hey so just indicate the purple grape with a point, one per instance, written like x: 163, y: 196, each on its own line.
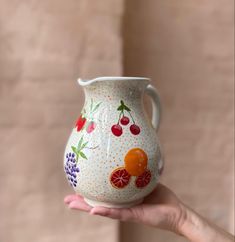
x: 71, y: 169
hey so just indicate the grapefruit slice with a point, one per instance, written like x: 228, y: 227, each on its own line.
x: 144, y: 179
x: 120, y: 178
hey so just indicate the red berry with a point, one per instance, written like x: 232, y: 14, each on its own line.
x: 80, y: 123
x: 91, y: 126
x: 135, y: 129
x: 125, y: 120
x: 117, y: 130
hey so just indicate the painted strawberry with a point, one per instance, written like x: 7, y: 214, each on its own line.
x: 91, y: 126
x: 80, y: 123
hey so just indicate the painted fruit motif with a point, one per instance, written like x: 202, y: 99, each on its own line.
x: 80, y: 123
x: 120, y: 178
x: 71, y: 169
x: 117, y: 129
x: 90, y: 127
x: 135, y: 129
x: 143, y: 180
x: 135, y: 164
x: 124, y: 120
x: 86, y: 119
x: 136, y: 161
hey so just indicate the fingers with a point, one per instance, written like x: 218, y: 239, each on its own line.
x: 68, y: 199
x: 76, y: 201
x: 122, y: 214
x: 80, y: 205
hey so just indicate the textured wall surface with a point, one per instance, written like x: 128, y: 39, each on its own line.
x: 186, y: 47
x: 44, y: 47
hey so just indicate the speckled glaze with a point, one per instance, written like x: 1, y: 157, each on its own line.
x: 93, y: 152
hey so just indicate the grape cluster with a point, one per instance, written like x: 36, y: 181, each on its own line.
x: 71, y: 169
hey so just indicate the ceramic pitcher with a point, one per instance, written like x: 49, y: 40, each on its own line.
x: 113, y: 157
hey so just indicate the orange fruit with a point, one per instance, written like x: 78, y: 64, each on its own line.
x: 120, y: 178
x: 136, y: 161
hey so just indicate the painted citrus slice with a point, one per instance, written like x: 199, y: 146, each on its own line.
x: 143, y: 180
x: 136, y: 161
x: 120, y: 178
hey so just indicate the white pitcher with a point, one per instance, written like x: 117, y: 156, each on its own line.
x: 113, y: 157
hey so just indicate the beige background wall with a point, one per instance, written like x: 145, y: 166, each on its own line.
x: 185, y: 46
x: 44, y: 47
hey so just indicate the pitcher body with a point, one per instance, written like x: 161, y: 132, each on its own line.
x: 113, y: 156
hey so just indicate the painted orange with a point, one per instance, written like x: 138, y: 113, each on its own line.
x: 136, y: 161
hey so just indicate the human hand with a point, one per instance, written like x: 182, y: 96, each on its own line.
x: 161, y: 209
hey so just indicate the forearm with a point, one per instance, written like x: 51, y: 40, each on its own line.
x: 198, y: 229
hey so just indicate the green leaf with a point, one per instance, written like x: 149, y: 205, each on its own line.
x: 120, y: 108
x: 82, y: 155
x: 96, y: 107
x: 126, y: 108
x: 74, y: 149
x: 122, y: 103
x: 84, y: 145
x: 80, y: 143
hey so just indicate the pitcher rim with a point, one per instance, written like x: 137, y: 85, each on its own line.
x: 111, y: 78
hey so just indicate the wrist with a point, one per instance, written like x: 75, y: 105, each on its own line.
x: 191, y: 225
x: 198, y: 229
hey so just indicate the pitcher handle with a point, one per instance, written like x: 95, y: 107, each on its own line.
x: 156, y: 105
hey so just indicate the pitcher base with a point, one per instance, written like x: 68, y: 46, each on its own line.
x: 93, y: 203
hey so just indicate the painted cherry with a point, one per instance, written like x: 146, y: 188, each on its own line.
x: 91, y: 126
x: 125, y: 120
x: 135, y: 129
x: 80, y: 123
x: 117, y: 130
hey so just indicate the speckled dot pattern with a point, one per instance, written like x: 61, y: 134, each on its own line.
x: 93, y: 179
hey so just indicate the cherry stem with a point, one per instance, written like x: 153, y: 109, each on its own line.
x: 131, y: 117
x: 120, y: 116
